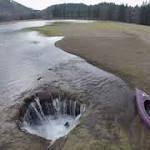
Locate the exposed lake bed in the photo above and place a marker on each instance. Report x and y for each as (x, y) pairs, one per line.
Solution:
(110, 102)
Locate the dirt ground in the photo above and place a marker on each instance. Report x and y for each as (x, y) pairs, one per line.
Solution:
(122, 49)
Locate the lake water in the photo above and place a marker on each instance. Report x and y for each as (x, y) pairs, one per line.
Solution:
(24, 56)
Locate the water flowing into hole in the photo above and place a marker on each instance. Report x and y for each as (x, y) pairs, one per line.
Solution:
(53, 117)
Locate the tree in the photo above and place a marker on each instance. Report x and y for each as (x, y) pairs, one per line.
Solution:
(122, 13)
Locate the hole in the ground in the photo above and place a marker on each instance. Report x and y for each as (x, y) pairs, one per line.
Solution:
(51, 116)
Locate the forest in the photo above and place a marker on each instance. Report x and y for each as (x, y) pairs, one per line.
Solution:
(102, 11)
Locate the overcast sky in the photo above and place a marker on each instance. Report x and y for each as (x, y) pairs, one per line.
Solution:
(41, 4)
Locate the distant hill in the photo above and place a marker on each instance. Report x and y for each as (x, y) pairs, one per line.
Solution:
(11, 10)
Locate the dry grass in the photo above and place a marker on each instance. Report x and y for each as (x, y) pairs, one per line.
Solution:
(122, 49)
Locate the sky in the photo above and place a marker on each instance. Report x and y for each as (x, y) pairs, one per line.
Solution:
(41, 4)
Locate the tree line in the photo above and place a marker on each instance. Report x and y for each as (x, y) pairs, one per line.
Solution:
(11, 10)
(102, 11)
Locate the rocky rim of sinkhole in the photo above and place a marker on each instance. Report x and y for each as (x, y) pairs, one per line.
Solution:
(50, 115)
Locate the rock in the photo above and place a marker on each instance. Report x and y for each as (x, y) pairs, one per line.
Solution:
(67, 124)
(39, 78)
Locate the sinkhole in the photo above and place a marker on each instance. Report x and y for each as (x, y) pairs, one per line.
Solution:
(50, 116)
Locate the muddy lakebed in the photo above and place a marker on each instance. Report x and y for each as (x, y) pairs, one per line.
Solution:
(30, 65)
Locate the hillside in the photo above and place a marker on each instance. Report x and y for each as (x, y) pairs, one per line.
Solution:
(10, 10)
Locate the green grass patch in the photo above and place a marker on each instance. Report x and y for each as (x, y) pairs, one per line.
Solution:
(49, 30)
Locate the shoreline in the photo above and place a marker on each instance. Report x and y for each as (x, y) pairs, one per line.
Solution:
(119, 48)
(124, 77)
(130, 68)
